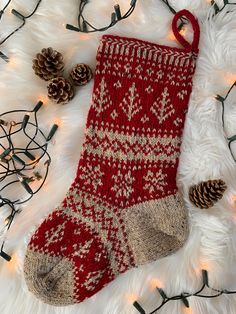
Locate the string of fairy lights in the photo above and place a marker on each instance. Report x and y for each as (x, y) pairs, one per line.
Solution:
(18, 164)
(218, 9)
(24, 150)
(222, 100)
(205, 291)
(86, 27)
(20, 16)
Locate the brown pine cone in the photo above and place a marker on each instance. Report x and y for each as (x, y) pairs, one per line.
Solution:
(207, 193)
(48, 64)
(81, 74)
(60, 90)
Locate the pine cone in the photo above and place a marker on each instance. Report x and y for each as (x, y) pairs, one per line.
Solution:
(81, 74)
(60, 90)
(206, 193)
(48, 64)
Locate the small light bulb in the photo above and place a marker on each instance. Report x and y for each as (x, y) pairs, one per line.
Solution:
(72, 28)
(233, 199)
(171, 36)
(183, 31)
(83, 36)
(139, 308)
(5, 153)
(9, 11)
(18, 14)
(118, 12)
(6, 221)
(12, 63)
(3, 122)
(29, 155)
(18, 159)
(43, 98)
(204, 265)
(25, 121)
(52, 132)
(26, 186)
(57, 121)
(4, 57)
(131, 298)
(155, 283)
(230, 78)
(38, 106)
(12, 264)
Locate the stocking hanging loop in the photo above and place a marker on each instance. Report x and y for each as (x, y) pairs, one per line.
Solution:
(196, 30)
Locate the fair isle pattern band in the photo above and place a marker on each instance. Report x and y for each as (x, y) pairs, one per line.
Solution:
(135, 48)
(102, 218)
(127, 147)
(145, 61)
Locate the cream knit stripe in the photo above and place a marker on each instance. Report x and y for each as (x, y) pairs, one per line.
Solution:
(132, 147)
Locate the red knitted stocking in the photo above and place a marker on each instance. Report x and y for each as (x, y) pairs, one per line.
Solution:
(123, 208)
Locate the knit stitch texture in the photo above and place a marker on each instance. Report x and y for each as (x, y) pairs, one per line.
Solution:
(123, 208)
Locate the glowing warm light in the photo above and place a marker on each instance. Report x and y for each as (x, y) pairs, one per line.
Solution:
(12, 63)
(43, 98)
(6, 222)
(171, 35)
(83, 36)
(188, 310)
(230, 78)
(9, 10)
(131, 298)
(204, 265)
(57, 121)
(11, 266)
(183, 31)
(233, 201)
(35, 162)
(155, 283)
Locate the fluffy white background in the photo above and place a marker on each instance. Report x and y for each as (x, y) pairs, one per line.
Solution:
(212, 240)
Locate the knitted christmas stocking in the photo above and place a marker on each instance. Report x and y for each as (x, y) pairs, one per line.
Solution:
(123, 208)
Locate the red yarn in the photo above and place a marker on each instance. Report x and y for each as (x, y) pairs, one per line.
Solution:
(130, 155)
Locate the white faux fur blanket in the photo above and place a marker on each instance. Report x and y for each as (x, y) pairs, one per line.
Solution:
(205, 155)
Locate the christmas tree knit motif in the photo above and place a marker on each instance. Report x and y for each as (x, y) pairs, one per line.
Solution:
(101, 97)
(162, 108)
(131, 102)
(123, 208)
